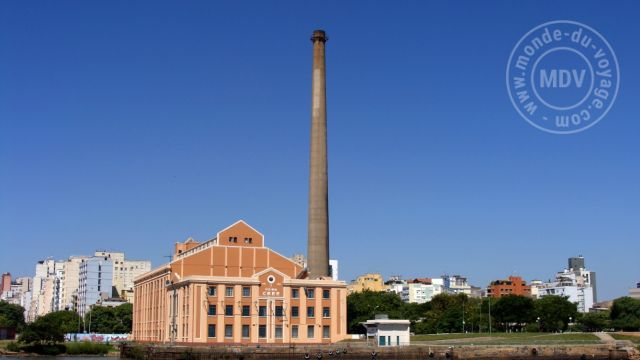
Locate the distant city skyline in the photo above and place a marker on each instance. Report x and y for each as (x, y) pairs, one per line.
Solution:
(132, 126)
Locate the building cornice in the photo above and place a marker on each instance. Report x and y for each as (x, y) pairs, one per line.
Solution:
(159, 271)
(254, 281)
(217, 280)
(315, 282)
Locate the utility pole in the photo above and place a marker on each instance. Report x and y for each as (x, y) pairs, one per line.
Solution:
(174, 315)
(489, 315)
(480, 317)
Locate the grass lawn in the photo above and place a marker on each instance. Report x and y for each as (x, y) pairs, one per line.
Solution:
(511, 338)
(353, 340)
(634, 338)
(3, 344)
(436, 337)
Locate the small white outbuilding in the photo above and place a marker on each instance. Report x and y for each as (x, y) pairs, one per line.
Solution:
(387, 332)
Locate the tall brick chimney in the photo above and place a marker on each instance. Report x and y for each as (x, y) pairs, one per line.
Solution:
(318, 222)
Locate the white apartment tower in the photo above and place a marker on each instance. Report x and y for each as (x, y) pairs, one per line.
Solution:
(575, 282)
(55, 285)
(124, 271)
(96, 276)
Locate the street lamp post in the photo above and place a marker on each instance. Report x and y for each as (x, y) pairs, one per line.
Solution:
(463, 316)
(90, 319)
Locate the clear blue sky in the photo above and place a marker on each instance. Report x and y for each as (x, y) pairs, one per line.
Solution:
(132, 125)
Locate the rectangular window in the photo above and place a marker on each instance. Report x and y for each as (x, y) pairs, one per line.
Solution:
(211, 330)
(326, 333)
(228, 310)
(246, 291)
(326, 294)
(262, 331)
(294, 331)
(311, 332)
(326, 312)
(212, 310)
(229, 291)
(311, 311)
(245, 331)
(295, 293)
(262, 311)
(279, 311)
(295, 311)
(212, 291)
(311, 293)
(228, 331)
(278, 332)
(246, 310)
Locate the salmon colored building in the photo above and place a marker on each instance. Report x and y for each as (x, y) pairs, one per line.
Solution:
(234, 290)
(514, 285)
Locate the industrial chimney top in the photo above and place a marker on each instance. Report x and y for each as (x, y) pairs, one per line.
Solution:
(319, 35)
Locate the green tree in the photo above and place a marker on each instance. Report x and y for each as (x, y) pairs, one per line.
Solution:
(445, 314)
(514, 311)
(481, 314)
(625, 314)
(124, 313)
(11, 315)
(50, 328)
(110, 320)
(554, 312)
(69, 321)
(414, 311)
(597, 321)
(474, 319)
(363, 306)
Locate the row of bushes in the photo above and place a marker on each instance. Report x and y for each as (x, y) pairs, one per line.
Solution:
(87, 348)
(72, 348)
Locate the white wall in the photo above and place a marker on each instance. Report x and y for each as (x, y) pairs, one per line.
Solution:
(392, 332)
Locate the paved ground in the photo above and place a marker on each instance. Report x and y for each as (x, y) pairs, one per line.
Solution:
(605, 337)
(620, 344)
